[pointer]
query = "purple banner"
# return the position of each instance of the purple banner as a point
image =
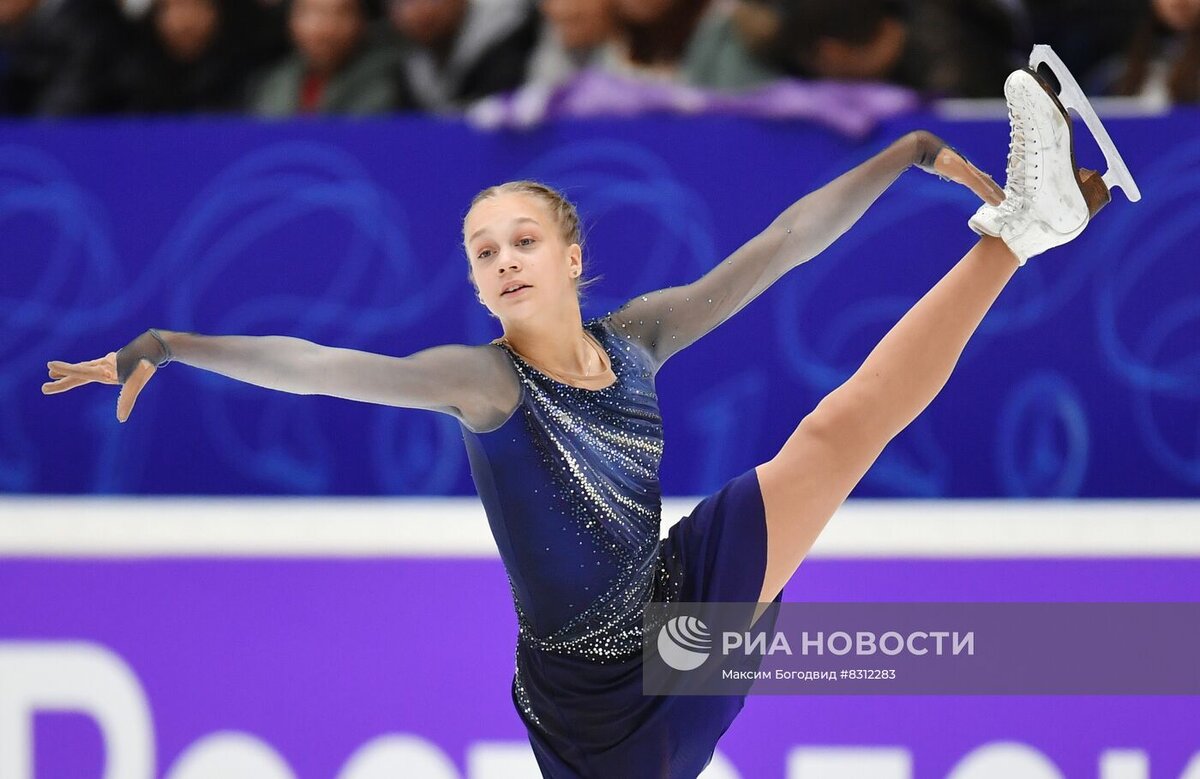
(359, 669)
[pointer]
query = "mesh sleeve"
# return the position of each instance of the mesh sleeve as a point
(665, 321)
(475, 384)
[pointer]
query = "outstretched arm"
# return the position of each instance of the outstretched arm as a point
(670, 319)
(473, 383)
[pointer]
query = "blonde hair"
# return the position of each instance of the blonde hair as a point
(556, 203)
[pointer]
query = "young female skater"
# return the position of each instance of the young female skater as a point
(562, 427)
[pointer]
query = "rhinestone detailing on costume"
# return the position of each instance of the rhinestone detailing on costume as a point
(570, 485)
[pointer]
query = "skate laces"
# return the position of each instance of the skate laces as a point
(1014, 175)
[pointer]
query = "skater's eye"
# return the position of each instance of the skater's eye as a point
(526, 242)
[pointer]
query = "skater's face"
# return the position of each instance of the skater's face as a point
(581, 24)
(512, 239)
(1179, 15)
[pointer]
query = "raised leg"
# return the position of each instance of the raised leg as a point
(832, 448)
(1047, 202)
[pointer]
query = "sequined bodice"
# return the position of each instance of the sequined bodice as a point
(570, 486)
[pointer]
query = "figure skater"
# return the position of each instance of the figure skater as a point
(562, 427)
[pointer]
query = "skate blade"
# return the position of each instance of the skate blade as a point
(1071, 96)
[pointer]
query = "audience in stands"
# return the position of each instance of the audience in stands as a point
(358, 57)
(57, 57)
(1087, 35)
(341, 65)
(1163, 59)
(695, 42)
(456, 51)
(193, 56)
(944, 48)
(573, 34)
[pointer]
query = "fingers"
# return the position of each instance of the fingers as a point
(951, 165)
(132, 386)
(982, 185)
(63, 384)
(69, 375)
(102, 369)
(89, 364)
(61, 371)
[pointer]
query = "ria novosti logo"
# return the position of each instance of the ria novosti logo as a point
(684, 643)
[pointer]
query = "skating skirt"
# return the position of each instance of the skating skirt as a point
(593, 719)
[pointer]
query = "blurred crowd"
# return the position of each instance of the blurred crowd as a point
(360, 57)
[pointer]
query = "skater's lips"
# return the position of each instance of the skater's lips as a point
(512, 286)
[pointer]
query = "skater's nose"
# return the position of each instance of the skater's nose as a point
(508, 265)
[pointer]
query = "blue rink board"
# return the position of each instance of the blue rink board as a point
(1083, 380)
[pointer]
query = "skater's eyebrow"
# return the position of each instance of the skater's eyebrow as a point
(516, 221)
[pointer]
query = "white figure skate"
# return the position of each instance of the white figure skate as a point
(1048, 199)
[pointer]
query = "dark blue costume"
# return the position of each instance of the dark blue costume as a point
(570, 485)
(569, 479)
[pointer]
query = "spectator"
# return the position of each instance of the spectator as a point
(194, 56)
(946, 48)
(339, 66)
(697, 42)
(457, 51)
(1163, 60)
(726, 51)
(760, 22)
(57, 56)
(572, 36)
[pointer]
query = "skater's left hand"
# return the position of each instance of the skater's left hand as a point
(104, 370)
(932, 154)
